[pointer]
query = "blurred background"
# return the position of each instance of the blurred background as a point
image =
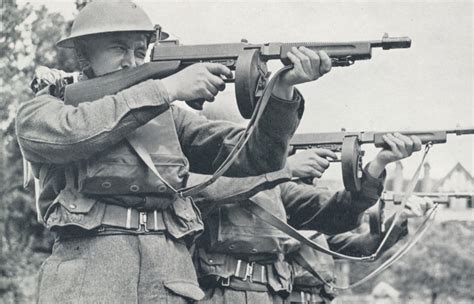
(428, 86)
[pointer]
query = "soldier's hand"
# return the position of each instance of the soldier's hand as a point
(416, 207)
(200, 80)
(308, 65)
(45, 77)
(399, 147)
(310, 163)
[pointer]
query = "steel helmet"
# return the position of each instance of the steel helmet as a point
(109, 16)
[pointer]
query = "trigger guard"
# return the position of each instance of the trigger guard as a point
(351, 163)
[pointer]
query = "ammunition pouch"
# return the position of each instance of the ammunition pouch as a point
(232, 229)
(216, 269)
(74, 209)
(320, 262)
(119, 170)
(310, 296)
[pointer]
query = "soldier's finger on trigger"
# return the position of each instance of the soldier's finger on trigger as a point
(323, 162)
(329, 153)
(218, 69)
(217, 82)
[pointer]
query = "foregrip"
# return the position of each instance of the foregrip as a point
(96, 88)
(435, 137)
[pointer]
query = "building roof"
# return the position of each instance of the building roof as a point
(438, 183)
(458, 168)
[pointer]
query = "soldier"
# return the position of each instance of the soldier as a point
(308, 289)
(121, 230)
(241, 259)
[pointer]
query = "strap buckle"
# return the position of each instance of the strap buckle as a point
(142, 220)
(225, 282)
(249, 272)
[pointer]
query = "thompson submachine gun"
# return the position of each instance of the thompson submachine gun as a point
(349, 145)
(246, 59)
(443, 198)
(377, 215)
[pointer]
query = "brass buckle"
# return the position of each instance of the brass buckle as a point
(249, 272)
(142, 220)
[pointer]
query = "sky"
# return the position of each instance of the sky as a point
(429, 86)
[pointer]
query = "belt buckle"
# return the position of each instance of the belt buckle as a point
(225, 282)
(249, 272)
(142, 220)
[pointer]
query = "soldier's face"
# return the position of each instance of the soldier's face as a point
(108, 53)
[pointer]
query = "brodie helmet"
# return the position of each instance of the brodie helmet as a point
(110, 16)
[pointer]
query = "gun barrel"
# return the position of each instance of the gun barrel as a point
(462, 131)
(388, 43)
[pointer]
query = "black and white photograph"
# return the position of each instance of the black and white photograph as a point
(247, 152)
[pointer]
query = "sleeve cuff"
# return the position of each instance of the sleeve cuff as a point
(146, 94)
(297, 98)
(372, 187)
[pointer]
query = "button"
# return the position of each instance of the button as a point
(232, 247)
(72, 206)
(211, 261)
(162, 188)
(106, 185)
(254, 250)
(134, 188)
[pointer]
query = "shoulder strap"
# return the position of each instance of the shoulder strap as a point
(266, 216)
(190, 191)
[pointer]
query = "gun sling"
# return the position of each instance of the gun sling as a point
(190, 191)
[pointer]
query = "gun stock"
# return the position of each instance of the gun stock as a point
(93, 89)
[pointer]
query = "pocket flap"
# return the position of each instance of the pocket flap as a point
(75, 202)
(212, 259)
(185, 288)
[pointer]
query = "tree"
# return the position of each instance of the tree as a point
(439, 267)
(27, 40)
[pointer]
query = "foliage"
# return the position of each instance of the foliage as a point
(439, 267)
(27, 40)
